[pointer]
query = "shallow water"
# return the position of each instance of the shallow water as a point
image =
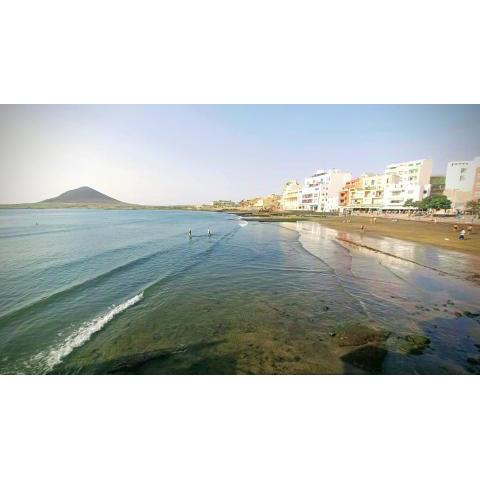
(91, 291)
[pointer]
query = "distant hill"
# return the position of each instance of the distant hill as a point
(86, 197)
(83, 195)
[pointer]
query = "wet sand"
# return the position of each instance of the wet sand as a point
(438, 234)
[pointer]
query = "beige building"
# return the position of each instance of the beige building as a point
(363, 193)
(290, 196)
(462, 182)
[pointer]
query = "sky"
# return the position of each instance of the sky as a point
(193, 154)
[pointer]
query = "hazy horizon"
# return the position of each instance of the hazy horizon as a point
(193, 154)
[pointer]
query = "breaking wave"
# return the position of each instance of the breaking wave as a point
(78, 338)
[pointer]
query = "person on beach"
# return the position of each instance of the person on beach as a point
(470, 229)
(362, 226)
(455, 227)
(462, 235)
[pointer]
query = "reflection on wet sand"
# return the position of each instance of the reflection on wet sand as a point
(403, 296)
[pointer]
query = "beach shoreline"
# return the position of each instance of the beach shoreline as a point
(440, 235)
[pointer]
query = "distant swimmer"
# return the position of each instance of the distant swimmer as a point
(209, 233)
(190, 233)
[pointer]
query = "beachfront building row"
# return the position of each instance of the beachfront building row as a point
(335, 191)
(462, 182)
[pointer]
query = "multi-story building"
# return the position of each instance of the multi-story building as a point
(462, 182)
(405, 181)
(321, 191)
(348, 191)
(363, 193)
(290, 196)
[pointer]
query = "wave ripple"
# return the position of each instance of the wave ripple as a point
(83, 334)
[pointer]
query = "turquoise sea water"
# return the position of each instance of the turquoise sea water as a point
(93, 291)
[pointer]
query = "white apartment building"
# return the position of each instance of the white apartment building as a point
(462, 182)
(404, 181)
(321, 191)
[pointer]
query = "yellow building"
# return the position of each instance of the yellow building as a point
(291, 193)
(363, 193)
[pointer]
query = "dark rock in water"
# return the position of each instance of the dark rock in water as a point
(473, 360)
(471, 315)
(415, 344)
(458, 314)
(358, 334)
(325, 308)
(369, 358)
(332, 334)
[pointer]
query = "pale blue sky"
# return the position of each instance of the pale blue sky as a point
(165, 154)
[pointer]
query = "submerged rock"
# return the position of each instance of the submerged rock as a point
(358, 334)
(415, 344)
(473, 360)
(369, 358)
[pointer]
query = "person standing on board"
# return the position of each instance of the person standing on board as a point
(209, 233)
(190, 233)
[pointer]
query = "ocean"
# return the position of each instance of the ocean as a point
(128, 292)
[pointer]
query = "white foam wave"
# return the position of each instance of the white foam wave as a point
(78, 338)
(243, 223)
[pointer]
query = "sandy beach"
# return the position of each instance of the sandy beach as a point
(442, 235)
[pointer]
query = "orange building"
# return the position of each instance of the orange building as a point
(346, 194)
